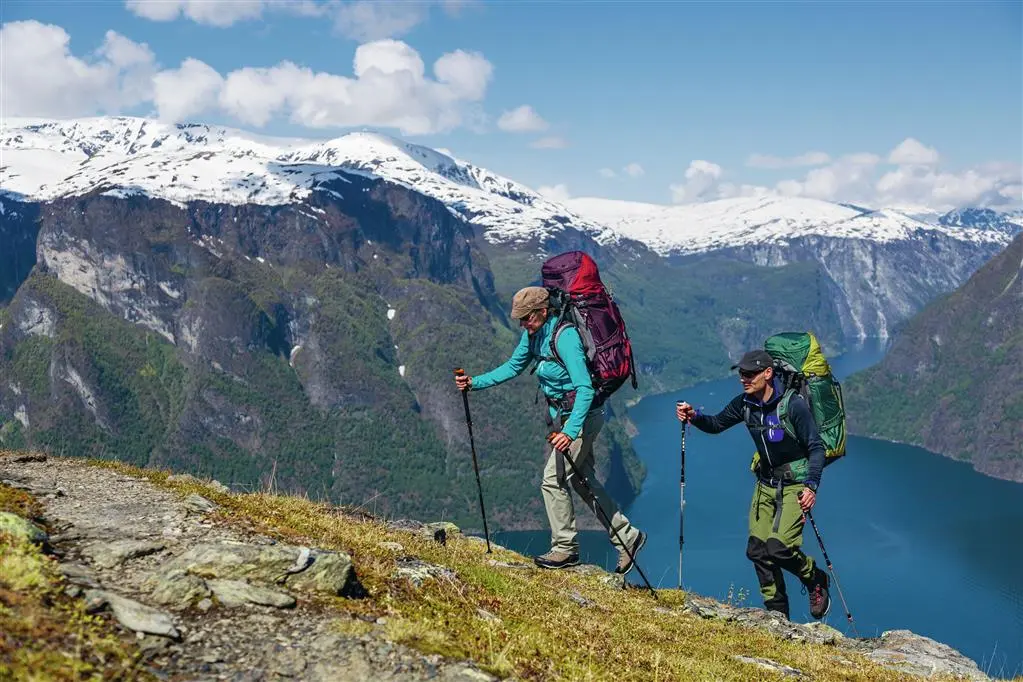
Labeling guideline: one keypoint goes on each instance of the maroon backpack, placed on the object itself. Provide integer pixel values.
(582, 300)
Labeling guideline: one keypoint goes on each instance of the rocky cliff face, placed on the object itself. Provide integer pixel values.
(879, 285)
(308, 343)
(951, 381)
(18, 230)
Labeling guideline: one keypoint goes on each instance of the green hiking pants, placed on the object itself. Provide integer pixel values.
(775, 536)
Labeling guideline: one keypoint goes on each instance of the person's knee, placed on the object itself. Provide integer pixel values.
(756, 550)
(778, 551)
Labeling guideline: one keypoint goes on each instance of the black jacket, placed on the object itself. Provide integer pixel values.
(776, 447)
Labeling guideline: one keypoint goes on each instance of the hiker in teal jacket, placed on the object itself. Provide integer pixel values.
(570, 412)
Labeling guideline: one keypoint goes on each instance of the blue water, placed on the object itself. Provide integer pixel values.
(918, 541)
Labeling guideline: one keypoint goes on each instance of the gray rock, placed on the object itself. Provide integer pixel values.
(178, 589)
(237, 593)
(464, 673)
(22, 529)
(198, 503)
(418, 571)
(77, 574)
(330, 572)
(135, 616)
(219, 487)
(768, 664)
(26, 457)
(110, 554)
(579, 599)
(391, 546)
(288, 663)
(204, 605)
(908, 652)
(487, 616)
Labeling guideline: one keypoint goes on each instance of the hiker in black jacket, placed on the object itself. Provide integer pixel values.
(788, 467)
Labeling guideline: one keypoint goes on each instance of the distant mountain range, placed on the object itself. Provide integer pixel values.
(953, 379)
(210, 300)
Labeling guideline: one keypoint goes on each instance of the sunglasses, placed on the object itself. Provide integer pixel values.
(748, 374)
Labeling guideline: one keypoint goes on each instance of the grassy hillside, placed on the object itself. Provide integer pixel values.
(513, 620)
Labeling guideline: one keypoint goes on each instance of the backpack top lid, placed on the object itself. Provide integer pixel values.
(573, 272)
(798, 352)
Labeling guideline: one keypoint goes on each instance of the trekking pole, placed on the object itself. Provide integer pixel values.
(475, 464)
(610, 525)
(831, 568)
(681, 499)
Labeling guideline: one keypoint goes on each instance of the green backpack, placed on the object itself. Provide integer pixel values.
(802, 368)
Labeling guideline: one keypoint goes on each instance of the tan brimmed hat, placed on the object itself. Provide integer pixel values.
(527, 300)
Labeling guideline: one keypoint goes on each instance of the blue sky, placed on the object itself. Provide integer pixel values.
(904, 103)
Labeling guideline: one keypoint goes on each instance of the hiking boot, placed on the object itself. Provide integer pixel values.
(625, 563)
(556, 559)
(820, 599)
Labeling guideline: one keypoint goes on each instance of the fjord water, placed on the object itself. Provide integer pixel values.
(918, 541)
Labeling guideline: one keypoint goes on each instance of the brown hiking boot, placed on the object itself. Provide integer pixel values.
(820, 599)
(556, 559)
(625, 562)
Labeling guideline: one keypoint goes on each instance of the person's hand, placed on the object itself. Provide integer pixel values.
(685, 412)
(463, 381)
(807, 498)
(560, 441)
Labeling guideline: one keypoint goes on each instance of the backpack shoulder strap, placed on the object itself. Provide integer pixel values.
(562, 325)
(785, 414)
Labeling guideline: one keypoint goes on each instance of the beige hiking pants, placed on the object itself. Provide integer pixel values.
(558, 499)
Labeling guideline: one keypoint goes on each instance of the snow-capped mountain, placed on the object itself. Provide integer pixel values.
(43, 160)
(748, 221)
(885, 263)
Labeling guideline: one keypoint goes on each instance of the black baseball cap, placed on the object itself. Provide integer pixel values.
(755, 361)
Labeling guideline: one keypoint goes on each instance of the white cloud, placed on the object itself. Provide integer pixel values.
(212, 12)
(389, 86)
(634, 170)
(557, 192)
(848, 178)
(768, 161)
(362, 20)
(914, 181)
(607, 173)
(912, 152)
(50, 81)
(551, 142)
(186, 92)
(701, 183)
(522, 119)
(988, 185)
(390, 89)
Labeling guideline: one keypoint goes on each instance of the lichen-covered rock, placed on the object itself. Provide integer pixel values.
(132, 614)
(418, 571)
(238, 593)
(22, 529)
(768, 664)
(178, 590)
(908, 652)
(323, 571)
(110, 554)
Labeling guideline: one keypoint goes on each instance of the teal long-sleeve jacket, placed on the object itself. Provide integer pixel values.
(555, 381)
